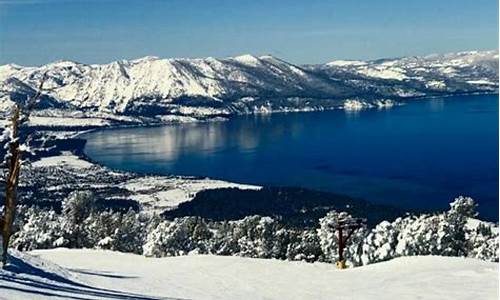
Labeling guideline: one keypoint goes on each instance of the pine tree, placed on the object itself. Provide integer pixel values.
(41, 229)
(454, 231)
(304, 246)
(178, 237)
(380, 244)
(76, 208)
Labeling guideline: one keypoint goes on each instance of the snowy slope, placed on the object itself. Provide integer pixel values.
(420, 76)
(151, 87)
(118, 85)
(446, 65)
(92, 274)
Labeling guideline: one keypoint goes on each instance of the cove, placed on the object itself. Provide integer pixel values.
(419, 155)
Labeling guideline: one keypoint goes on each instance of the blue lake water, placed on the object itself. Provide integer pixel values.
(421, 155)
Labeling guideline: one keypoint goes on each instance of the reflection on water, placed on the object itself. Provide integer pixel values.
(421, 154)
(437, 105)
(167, 143)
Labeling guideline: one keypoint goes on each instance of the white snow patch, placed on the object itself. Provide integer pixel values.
(161, 193)
(247, 59)
(436, 84)
(354, 105)
(343, 63)
(448, 70)
(177, 119)
(384, 73)
(473, 224)
(482, 82)
(67, 121)
(66, 159)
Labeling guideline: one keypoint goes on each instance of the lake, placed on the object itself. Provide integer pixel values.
(418, 155)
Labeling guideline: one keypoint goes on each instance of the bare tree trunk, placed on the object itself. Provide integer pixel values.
(11, 188)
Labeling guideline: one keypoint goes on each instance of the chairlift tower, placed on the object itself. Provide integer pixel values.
(345, 227)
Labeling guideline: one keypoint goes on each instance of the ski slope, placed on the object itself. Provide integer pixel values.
(93, 274)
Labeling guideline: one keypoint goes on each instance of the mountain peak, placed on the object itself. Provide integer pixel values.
(341, 63)
(145, 59)
(247, 59)
(62, 63)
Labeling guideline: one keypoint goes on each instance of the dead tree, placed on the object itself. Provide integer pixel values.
(19, 117)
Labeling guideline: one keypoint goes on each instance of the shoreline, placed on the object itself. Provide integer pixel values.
(228, 117)
(77, 149)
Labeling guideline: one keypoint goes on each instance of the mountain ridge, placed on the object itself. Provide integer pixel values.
(151, 86)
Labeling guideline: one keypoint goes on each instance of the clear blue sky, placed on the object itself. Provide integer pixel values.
(34, 32)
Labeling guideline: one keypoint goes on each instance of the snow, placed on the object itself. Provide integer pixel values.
(173, 190)
(66, 159)
(201, 111)
(177, 119)
(137, 86)
(67, 122)
(383, 72)
(97, 274)
(354, 105)
(247, 59)
(473, 224)
(114, 86)
(481, 81)
(154, 193)
(448, 70)
(437, 84)
(343, 63)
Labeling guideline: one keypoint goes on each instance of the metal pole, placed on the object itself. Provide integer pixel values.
(341, 262)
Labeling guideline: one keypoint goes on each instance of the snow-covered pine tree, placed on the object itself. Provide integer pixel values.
(484, 243)
(76, 208)
(41, 229)
(380, 243)
(255, 236)
(222, 241)
(304, 246)
(178, 237)
(114, 231)
(97, 229)
(129, 235)
(464, 206)
(419, 235)
(453, 234)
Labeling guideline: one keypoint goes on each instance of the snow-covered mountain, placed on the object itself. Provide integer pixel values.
(134, 86)
(151, 86)
(436, 74)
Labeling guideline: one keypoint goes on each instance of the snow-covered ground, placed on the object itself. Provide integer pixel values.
(94, 274)
(153, 193)
(66, 159)
(67, 122)
(173, 191)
